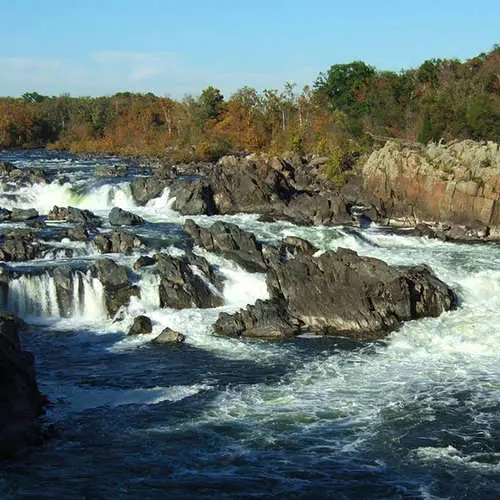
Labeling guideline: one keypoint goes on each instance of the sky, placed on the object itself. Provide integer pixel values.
(175, 48)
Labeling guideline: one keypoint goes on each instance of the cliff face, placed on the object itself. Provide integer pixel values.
(20, 401)
(456, 183)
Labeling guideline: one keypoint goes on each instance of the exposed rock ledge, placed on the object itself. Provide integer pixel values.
(456, 183)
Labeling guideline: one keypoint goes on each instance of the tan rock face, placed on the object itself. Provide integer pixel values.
(458, 182)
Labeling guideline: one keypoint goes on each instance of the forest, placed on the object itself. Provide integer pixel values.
(347, 110)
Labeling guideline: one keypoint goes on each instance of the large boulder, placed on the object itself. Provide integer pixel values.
(169, 336)
(193, 197)
(456, 183)
(141, 325)
(146, 188)
(120, 217)
(18, 245)
(337, 293)
(74, 215)
(20, 176)
(265, 320)
(181, 287)
(118, 242)
(20, 400)
(117, 288)
(229, 240)
(342, 293)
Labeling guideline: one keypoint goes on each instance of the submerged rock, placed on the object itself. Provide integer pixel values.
(169, 336)
(21, 401)
(120, 217)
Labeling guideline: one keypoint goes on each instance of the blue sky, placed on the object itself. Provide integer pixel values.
(90, 47)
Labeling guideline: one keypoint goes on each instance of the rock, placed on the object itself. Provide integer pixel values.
(64, 284)
(4, 214)
(110, 171)
(117, 289)
(21, 401)
(74, 215)
(146, 188)
(264, 320)
(341, 293)
(292, 245)
(143, 261)
(119, 217)
(78, 233)
(456, 183)
(10, 174)
(229, 240)
(18, 245)
(181, 288)
(141, 325)
(193, 197)
(19, 214)
(168, 336)
(118, 242)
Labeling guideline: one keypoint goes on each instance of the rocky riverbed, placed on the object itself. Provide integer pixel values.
(193, 272)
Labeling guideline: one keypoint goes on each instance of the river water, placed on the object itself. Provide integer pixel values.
(414, 416)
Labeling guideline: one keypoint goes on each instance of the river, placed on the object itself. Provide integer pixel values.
(415, 416)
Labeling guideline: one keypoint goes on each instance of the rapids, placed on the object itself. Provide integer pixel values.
(414, 416)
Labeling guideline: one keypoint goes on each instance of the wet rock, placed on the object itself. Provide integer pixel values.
(229, 240)
(11, 174)
(64, 283)
(264, 320)
(78, 233)
(291, 245)
(74, 215)
(4, 215)
(141, 325)
(21, 401)
(341, 293)
(18, 245)
(110, 171)
(181, 287)
(146, 188)
(193, 197)
(143, 261)
(19, 214)
(117, 288)
(120, 217)
(118, 242)
(168, 336)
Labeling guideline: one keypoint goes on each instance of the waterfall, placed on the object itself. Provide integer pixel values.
(80, 295)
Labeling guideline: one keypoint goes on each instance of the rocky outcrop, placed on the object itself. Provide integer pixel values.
(74, 215)
(23, 214)
(193, 197)
(337, 293)
(117, 288)
(181, 287)
(20, 400)
(117, 242)
(120, 217)
(146, 188)
(11, 174)
(229, 240)
(169, 336)
(18, 245)
(456, 183)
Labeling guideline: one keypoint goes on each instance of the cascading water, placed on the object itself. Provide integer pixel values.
(414, 416)
(39, 296)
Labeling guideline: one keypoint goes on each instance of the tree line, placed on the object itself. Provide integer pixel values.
(342, 113)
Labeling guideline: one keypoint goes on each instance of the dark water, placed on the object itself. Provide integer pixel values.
(416, 416)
